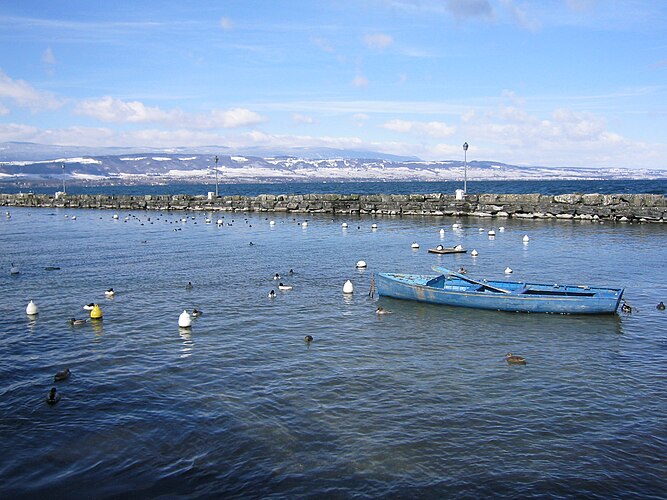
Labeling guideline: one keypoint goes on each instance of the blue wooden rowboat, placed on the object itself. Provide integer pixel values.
(454, 289)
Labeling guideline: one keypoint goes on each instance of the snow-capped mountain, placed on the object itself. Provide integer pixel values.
(26, 162)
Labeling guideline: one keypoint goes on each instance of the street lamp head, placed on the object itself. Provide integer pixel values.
(465, 146)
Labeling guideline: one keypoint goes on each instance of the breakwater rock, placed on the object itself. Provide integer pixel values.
(617, 207)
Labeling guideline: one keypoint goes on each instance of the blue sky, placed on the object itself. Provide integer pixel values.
(548, 82)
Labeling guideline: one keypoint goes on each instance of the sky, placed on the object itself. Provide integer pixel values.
(561, 83)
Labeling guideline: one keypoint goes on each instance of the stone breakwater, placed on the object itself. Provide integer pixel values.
(615, 207)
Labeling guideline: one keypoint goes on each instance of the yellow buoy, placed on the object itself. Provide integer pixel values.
(96, 312)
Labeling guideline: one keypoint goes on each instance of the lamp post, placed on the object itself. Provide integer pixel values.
(63, 167)
(216, 176)
(465, 168)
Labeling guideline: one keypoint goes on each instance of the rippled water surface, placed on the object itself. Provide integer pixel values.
(417, 403)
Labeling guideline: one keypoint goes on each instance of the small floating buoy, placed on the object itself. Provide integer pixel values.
(501, 229)
(31, 309)
(219, 222)
(96, 312)
(63, 375)
(526, 239)
(414, 245)
(374, 226)
(442, 232)
(304, 224)
(348, 287)
(456, 226)
(272, 223)
(184, 320)
(491, 233)
(481, 229)
(14, 269)
(114, 216)
(474, 253)
(361, 264)
(207, 220)
(508, 270)
(344, 225)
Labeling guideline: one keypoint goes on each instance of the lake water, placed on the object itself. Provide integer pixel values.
(416, 403)
(553, 187)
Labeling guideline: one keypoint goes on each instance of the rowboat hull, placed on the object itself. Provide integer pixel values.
(499, 295)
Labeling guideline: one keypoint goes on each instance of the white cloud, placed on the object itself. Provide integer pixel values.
(378, 41)
(360, 81)
(226, 23)
(463, 9)
(108, 109)
(48, 57)
(25, 95)
(431, 129)
(299, 118)
(3, 110)
(521, 16)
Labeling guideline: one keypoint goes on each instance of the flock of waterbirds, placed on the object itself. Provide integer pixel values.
(185, 320)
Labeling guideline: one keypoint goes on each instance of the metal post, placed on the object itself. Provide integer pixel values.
(216, 176)
(63, 167)
(465, 168)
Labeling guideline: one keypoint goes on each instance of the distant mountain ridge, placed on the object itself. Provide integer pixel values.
(35, 163)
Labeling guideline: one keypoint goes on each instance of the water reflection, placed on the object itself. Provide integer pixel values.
(188, 343)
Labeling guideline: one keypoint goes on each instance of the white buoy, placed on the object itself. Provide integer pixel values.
(219, 222)
(442, 232)
(508, 270)
(526, 239)
(491, 233)
(501, 229)
(304, 224)
(185, 320)
(474, 253)
(415, 245)
(344, 225)
(361, 264)
(456, 226)
(348, 287)
(207, 220)
(481, 229)
(114, 216)
(14, 269)
(272, 223)
(374, 226)
(31, 309)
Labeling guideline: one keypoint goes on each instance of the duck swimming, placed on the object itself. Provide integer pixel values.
(77, 322)
(626, 308)
(63, 375)
(196, 313)
(109, 292)
(661, 306)
(272, 294)
(382, 310)
(189, 285)
(284, 287)
(89, 307)
(276, 276)
(514, 359)
(308, 339)
(53, 396)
